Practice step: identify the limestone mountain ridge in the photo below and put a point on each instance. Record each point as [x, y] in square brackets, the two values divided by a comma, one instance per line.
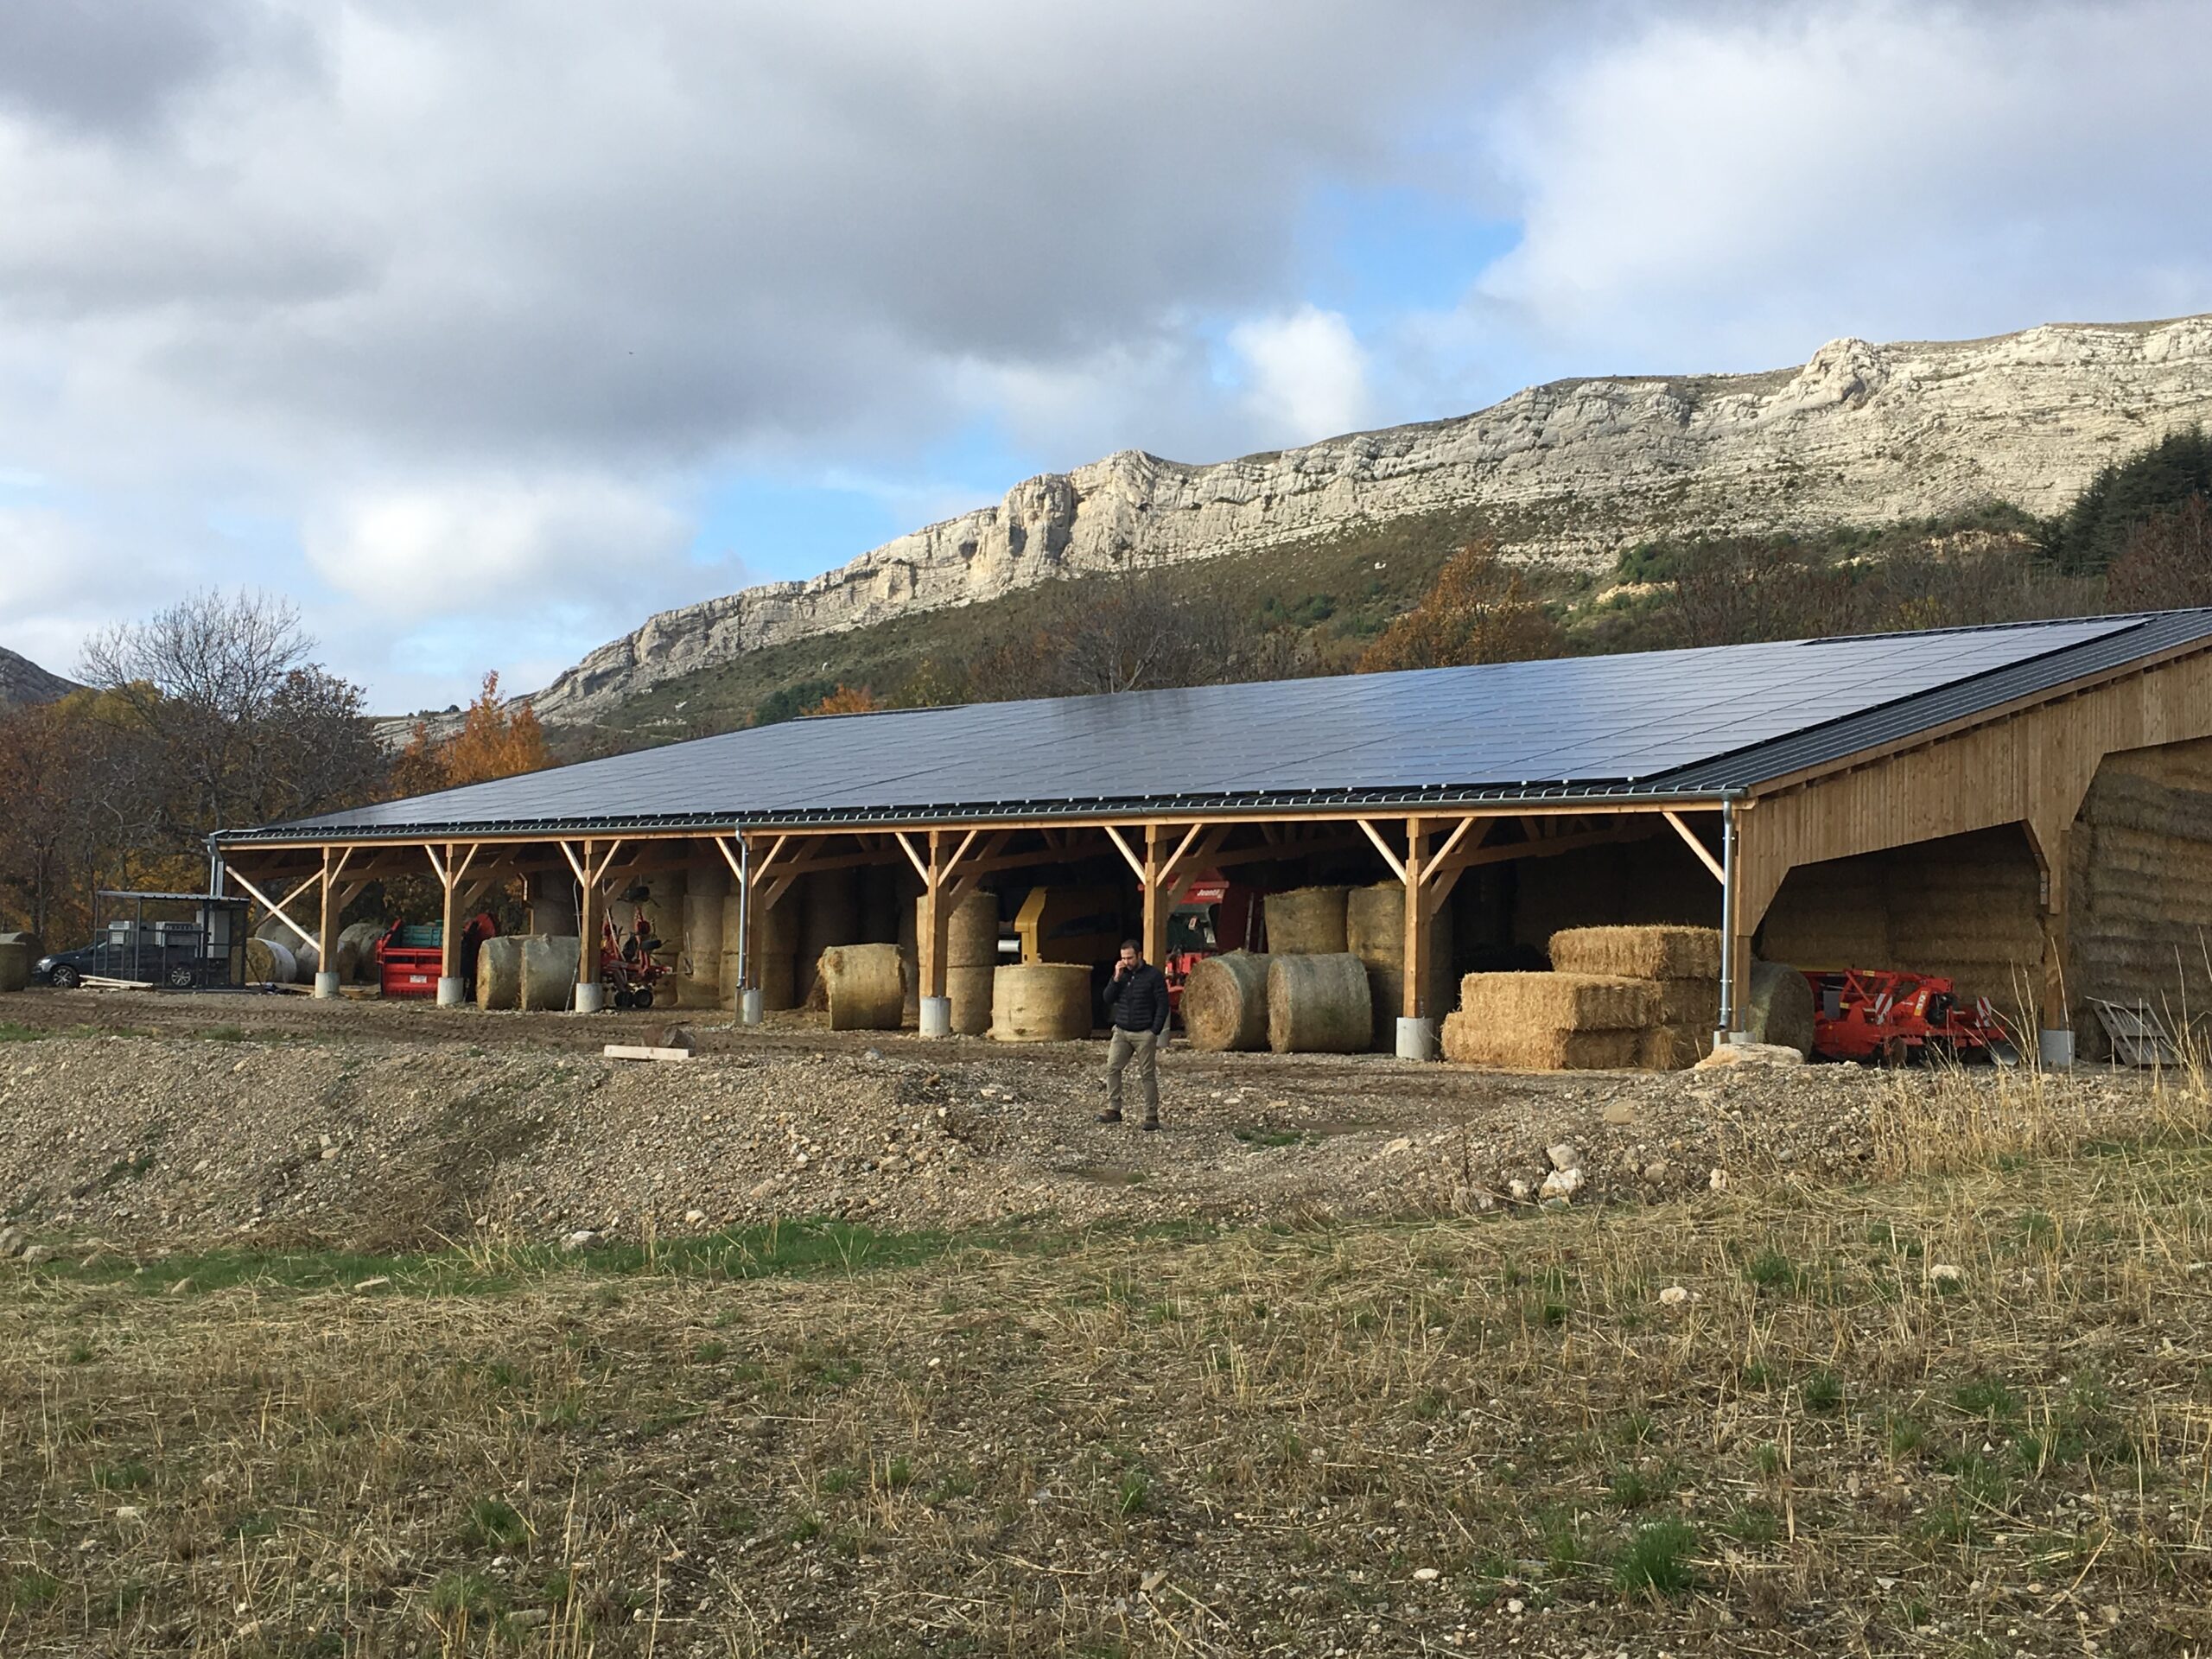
[1861, 434]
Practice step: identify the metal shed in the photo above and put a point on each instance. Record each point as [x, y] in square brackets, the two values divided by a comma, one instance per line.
[1753, 761]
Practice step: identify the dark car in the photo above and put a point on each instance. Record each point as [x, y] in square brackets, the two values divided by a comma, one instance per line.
[162, 958]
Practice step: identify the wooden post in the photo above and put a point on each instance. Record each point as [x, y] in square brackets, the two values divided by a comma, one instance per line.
[327, 930]
[449, 940]
[1157, 902]
[588, 922]
[1421, 938]
[2053, 1016]
[934, 939]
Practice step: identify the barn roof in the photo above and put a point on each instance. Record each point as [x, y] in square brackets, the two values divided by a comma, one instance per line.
[1683, 725]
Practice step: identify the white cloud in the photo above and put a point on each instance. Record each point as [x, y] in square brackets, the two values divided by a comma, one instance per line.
[1730, 187]
[413, 552]
[1305, 373]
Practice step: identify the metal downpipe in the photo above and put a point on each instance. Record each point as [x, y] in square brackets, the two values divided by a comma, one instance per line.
[1728, 1011]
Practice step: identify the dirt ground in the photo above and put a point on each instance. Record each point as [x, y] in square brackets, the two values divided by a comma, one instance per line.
[145, 1119]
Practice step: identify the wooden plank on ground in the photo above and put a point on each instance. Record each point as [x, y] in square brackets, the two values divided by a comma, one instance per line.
[637, 1052]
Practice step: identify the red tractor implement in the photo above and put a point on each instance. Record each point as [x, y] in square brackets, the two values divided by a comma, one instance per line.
[627, 966]
[410, 958]
[1894, 1018]
[1215, 915]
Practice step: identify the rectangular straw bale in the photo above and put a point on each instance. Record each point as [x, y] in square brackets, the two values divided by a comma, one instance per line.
[1689, 1002]
[1560, 1001]
[1638, 952]
[1470, 1041]
[1675, 1047]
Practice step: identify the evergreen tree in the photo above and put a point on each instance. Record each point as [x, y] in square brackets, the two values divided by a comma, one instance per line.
[2090, 534]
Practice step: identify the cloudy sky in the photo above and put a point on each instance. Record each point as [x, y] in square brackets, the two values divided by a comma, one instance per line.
[483, 331]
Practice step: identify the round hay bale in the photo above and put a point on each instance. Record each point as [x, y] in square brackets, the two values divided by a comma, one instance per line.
[549, 973]
[349, 964]
[1781, 1011]
[307, 960]
[267, 962]
[699, 964]
[863, 985]
[29, 941]
[969, 990]
[364, 937]
[1225, 1003]
[498, 973]
[15, 964]
[832, 916]
[1317, 1005]
[733, 953]
[1041, 1002]
[1308, 922]
[779, 986]
[776, 931]
[971, 936]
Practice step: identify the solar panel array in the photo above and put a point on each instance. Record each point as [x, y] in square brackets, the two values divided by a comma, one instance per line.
[1652, 720]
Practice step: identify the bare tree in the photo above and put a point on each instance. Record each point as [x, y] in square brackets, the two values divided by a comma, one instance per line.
[245, 727]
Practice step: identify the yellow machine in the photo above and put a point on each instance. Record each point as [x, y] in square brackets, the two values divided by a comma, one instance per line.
[1069, 925]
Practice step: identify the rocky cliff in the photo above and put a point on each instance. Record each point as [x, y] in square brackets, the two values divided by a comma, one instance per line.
[1862, 434]
[24, 681]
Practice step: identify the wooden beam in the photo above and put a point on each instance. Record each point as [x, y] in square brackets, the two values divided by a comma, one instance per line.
[575, 864]
[1695, 845]
[273, 909]
[1156, 902]
[1397, 865]
[920, 864]
[1128, 855]
[736, 866]
[588, 921]
[1452, 843]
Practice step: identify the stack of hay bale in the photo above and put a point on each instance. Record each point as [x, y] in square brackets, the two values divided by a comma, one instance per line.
[1375, 932]
[971, 959]
[699, 961]
[1307, 922]
[17, 952]
[1686, 963]
[1552, 1022]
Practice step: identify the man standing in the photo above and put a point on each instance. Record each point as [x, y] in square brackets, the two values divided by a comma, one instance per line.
[1136, 1000]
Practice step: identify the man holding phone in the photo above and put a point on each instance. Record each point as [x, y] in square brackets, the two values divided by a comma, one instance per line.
[1136, 1001]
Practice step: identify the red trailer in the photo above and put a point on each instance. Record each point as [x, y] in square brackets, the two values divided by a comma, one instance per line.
[411, 959]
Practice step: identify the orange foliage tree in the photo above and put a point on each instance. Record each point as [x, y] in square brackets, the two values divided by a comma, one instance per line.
[495, 741]
[1477, 611]
[847, 700]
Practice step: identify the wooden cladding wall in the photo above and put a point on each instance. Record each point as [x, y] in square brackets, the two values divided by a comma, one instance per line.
[2032, 767]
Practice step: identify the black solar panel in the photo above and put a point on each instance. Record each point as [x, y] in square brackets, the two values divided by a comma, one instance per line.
[1684, 722]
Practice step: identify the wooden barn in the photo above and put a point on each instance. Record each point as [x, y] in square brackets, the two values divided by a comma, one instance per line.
[2026, 808]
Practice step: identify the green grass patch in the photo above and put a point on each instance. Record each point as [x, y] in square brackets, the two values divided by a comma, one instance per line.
[1655, 1560]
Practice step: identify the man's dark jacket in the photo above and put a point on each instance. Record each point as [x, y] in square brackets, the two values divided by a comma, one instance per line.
[1138, 1000]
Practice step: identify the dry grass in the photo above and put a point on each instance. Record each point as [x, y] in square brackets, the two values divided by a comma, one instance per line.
[1965, 1411]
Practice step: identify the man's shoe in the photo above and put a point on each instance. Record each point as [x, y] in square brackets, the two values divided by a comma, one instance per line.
[1149, 1123]
[1111, 1115]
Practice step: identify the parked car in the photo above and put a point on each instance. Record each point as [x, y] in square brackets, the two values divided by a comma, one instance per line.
[165, 959]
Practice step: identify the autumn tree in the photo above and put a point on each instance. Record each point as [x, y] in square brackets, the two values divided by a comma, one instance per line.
[1478, 610]
[495, 740]
[847, 700]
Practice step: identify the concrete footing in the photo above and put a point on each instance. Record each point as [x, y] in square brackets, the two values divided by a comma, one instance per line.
[750, 1006]
[936, 1016]
[2055, 1048]
[1416, 1039]
[452, 992]
[590, 999]
[326, 987]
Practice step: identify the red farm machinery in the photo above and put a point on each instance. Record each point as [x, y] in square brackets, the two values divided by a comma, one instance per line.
[1895, 1018]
